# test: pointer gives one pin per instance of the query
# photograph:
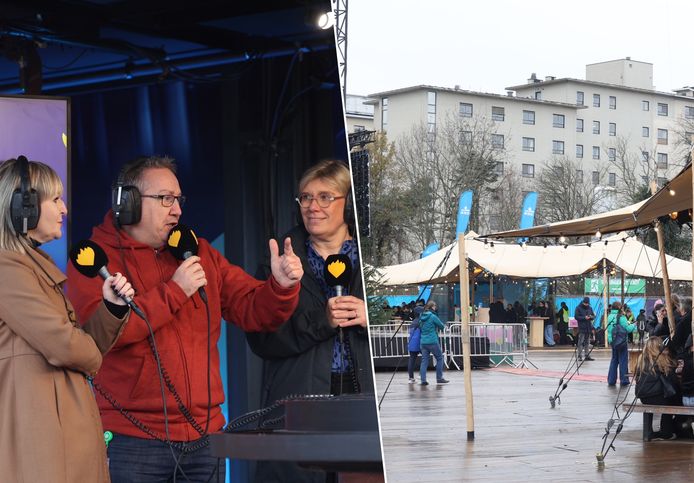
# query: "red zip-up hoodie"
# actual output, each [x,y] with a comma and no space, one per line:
[129,371]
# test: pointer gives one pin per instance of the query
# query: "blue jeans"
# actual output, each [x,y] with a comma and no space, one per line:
[139,460]
[434,349]
[619,358]
[549,334]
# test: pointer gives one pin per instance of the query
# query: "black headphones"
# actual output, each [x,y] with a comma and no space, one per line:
[25,208]
[126,202]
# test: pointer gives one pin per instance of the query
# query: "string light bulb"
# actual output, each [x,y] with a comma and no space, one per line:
[562,239]
[672,192]
[598,234]
[524,246]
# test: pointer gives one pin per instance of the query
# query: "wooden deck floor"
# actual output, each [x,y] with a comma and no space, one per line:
[518,437]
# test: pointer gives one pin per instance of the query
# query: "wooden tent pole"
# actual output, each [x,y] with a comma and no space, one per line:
[666,278]
[465,335]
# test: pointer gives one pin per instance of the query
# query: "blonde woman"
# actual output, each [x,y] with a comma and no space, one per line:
[50,428]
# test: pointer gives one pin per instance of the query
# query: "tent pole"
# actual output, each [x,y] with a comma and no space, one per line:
[491,290]
[605,296]
[666,278]
[622,287]
[465,335]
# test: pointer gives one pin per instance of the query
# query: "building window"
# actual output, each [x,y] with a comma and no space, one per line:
[529,117]
[558,120]
[612,129]
[528,171]
[611,154]
[596,100]
[498,141]
[579,175]
[384,114]
[645,106]
[579,125]
[596,152]
[579,98]
[662,160]
[688,112]
[465,109]
[529,144]
[644,156]
[645,132]
[499,168]
[431,115]
[613,102]
[557,147]
[596,127]
[596,177]
[466,137]
[538,95]
[498,113]
[662,109]
[358,128]
[662,181]
[662,136]
[612,179]
[579,150]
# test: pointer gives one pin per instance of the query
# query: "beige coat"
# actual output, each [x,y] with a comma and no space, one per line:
[50,430]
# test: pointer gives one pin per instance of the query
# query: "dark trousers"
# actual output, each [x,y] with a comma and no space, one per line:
[411,363]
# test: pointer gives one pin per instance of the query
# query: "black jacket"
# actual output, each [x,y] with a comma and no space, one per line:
[298,356]
[582,311]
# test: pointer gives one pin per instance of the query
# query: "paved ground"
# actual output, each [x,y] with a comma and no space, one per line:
[518,436]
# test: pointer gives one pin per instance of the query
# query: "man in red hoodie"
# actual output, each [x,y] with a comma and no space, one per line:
[128,385]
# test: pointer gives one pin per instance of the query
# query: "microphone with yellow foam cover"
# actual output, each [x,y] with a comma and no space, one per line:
[338,272]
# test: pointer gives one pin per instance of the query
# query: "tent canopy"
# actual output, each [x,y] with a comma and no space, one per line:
[513,260]
[627,218]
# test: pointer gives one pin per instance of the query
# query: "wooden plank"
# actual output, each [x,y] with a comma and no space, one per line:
[660,409]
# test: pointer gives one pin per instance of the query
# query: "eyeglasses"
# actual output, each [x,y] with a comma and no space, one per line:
[323,199]
[168,200]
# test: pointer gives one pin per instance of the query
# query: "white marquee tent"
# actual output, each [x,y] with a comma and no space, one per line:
[512,260]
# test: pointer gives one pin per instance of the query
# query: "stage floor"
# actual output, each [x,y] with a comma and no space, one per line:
[518,437]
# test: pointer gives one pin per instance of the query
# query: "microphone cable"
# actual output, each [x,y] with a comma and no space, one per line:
[160,373]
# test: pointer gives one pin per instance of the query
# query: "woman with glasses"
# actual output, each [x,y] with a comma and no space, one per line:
[323,348]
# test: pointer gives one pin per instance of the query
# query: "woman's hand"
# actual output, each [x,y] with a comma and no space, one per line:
[117,285]
[346,311]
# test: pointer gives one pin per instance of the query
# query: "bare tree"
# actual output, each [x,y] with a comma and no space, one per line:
[501,206]
[386,200]
[436,167]
[565,192]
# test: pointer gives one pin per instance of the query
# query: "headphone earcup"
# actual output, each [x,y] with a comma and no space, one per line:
[24,204]
[127,206]
[348,214]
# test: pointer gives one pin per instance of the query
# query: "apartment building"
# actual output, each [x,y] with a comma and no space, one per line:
[579,118]
[359,113]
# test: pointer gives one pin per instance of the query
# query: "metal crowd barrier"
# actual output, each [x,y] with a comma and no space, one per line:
[498,343]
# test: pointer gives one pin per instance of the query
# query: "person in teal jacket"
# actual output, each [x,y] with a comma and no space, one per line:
[430,325]
[618,329]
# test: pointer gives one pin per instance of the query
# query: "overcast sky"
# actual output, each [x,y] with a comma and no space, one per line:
[487,45]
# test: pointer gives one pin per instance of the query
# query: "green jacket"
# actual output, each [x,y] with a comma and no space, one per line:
[430,324]
[611,318]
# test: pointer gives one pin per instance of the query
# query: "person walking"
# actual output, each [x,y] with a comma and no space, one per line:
[430,325]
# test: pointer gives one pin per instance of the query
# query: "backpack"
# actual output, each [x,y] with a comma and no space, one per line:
[619,333]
